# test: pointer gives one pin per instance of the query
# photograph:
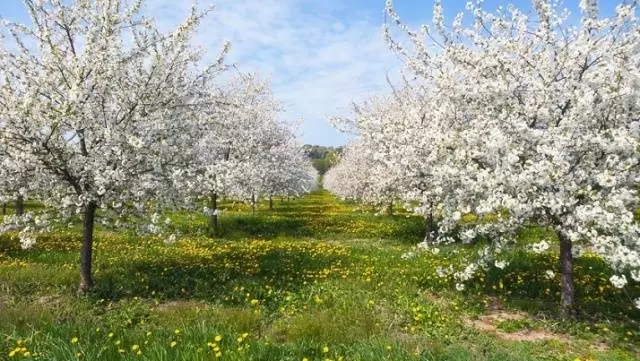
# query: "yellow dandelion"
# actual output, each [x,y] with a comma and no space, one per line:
[74,340]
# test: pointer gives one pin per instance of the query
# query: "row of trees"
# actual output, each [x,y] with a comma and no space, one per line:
[517,119]
[105,117]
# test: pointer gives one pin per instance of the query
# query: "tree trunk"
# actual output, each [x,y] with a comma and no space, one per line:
[390,208]
[213,221]
[270,203]
[4,209]
[86,252]
[281,200]
[19,206]
[431,229]
[567,299]
[253,203]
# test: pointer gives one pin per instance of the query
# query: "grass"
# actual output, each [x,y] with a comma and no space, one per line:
[315,279]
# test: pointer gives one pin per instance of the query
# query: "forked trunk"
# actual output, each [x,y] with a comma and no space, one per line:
[86,252]
[567,298]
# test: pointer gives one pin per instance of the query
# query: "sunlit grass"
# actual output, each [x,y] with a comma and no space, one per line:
[316,278]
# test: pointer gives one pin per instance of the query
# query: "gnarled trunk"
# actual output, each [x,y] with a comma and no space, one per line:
[567,298]
[86,252]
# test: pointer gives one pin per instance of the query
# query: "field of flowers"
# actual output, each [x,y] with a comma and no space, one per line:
[314,279]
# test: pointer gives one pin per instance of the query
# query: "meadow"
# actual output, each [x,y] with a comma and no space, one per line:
[314,279]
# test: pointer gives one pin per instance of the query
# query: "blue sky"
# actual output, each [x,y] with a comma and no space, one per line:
[321,55]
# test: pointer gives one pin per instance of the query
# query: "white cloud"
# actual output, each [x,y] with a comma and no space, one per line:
[320,55]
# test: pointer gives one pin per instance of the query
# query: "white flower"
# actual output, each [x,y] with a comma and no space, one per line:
[460,286]
[171,239]
[550,274]
[408,255]
[435,250]
[501,264]
[618,281]
[638,303]
[27,240]
[441,272]
[540,247]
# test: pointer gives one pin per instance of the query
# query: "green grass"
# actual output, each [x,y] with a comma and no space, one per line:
[316,278]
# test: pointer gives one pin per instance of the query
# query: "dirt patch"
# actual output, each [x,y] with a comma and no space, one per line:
[489,323]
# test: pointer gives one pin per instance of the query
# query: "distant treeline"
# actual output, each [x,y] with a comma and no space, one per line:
[323,157]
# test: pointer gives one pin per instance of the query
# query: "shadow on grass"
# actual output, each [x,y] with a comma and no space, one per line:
[524,285]
[232,278]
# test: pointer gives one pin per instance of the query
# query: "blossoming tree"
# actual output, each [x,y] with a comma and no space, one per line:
[537,121]
[101,104]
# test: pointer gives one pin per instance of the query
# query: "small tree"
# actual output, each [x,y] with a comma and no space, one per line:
[102,105]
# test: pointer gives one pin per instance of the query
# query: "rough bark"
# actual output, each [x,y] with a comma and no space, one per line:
[86,252]
[20,205]
[567,299]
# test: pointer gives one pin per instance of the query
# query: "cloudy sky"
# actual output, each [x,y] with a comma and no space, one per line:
[321,55]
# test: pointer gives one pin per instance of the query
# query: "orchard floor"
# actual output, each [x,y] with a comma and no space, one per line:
[314,279]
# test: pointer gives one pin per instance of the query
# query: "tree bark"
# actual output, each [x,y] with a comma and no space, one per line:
[19,206]
[4,209]
[270,203]
[567,299]
[390,208]
[86,252]
[213,221]
[430,228]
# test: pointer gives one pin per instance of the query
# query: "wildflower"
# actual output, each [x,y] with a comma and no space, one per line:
[173,344]
[325,349]
[74,340]
[540,247]
[550,274]
[218,338]
[460,286]
[618,281]
[501,264]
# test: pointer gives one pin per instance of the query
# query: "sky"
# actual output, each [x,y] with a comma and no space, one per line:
[320,55]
